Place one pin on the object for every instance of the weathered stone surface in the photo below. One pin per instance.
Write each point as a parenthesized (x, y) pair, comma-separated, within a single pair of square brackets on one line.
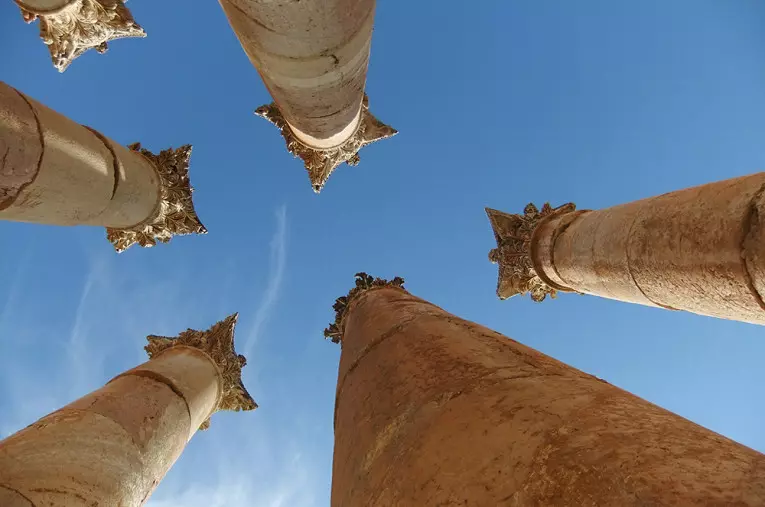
[(435, 410), (313, 58), (696, 249), (21, 145), (113, 446)]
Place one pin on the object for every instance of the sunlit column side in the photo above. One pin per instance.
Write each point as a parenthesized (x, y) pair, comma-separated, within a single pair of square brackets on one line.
[(114, 446), (699, 249), (55, 171), (71, 27), (312, 56), (435, 410)]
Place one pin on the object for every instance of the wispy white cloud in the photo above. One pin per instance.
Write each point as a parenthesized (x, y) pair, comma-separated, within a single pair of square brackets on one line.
[(278, 260)]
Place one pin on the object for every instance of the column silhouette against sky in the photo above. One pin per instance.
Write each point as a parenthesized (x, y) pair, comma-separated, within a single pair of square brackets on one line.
[(113, 446), (699, 249), (59, 172), (313, 57), (433, 410)]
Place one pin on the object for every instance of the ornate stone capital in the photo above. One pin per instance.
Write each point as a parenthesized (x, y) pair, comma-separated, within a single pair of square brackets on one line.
[(82, 25), (513, 235), (218, 343), (175, 215), (364, 283), (320, 163)]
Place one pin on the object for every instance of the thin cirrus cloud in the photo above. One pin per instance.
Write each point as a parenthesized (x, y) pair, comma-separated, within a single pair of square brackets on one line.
[(278, 259)]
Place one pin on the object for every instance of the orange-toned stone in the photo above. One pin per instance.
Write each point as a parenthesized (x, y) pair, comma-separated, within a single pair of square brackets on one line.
[(697, 249), (435, 410)]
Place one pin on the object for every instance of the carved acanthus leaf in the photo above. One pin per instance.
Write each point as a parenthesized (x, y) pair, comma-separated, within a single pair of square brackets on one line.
[(320, 163), (513, 234), (364, 283), (175, 215), (218, 343), (82, 25)]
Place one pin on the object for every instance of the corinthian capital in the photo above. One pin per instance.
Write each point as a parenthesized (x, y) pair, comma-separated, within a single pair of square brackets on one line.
[(320, 163), (364, 283), (175, 214), (218, 343), (81, 25), (513, 253)]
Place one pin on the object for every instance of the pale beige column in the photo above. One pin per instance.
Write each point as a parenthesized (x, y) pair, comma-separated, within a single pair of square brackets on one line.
[(700, 250), (113, 446), (71, 27), (312, 56), (55, 171)]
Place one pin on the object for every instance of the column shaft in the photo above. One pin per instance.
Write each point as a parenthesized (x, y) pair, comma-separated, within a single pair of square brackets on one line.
[(697, 249), (313, 57), (435, 410), (113, 446), (55, 171)]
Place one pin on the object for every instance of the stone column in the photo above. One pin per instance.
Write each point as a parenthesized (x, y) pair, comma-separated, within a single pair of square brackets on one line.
[(55, 171), (113, 446), (312, 56), (71, 27), (434, 410), (698, 250)]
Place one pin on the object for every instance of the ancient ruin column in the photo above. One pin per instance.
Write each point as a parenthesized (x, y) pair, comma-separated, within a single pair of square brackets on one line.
[(434, 410), (71, 27), (55, 171), (701, 250), (312, 56), (113, 446)]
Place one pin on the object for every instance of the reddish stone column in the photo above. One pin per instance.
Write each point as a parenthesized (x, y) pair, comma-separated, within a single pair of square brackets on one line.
[(55, 171), (698, 250), (434, 410), (113, 446), (71, 27), (312, 56)]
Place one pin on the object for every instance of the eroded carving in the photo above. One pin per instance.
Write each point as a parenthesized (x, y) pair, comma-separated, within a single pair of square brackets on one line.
[(218, 343), (175, 214), (513, 235), (82, 25), (320, 163), (364, 283)]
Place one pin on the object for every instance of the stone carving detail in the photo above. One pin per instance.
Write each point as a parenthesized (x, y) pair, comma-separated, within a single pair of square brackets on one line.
[(82, 25), (364, 283), (175, 215), (513, 235), (218, 343), (320, 163)]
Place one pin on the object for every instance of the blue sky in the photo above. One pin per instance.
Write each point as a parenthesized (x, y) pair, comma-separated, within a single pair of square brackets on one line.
[(498, 104)]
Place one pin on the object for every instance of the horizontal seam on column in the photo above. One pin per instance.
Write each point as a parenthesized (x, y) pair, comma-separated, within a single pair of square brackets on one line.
[(152, 375), (629, 267), (387, 334), (42, 151), (65, 411), (558, 233), (747, 225), (22, 495), (115, 164), (158, 205)]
